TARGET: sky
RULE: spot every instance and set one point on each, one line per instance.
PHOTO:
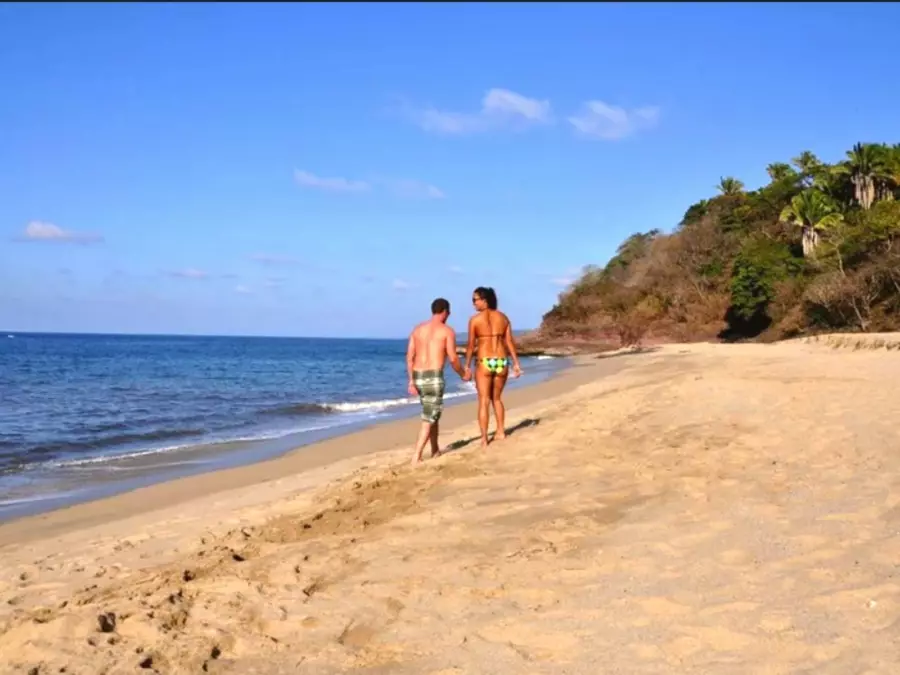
(329, 169)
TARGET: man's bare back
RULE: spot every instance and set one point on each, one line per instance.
(433, 343)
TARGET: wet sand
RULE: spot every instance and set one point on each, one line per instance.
(697, 508)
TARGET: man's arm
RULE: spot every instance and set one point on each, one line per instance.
(451, 353)
(470, 344)
(511, 346)
(411, 356)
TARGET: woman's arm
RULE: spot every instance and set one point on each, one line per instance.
(470, 346)
(511, 347)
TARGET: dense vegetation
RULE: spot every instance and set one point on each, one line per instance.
(818, 248)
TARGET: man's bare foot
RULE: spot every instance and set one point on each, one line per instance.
(484, 442)
(436, 453)
(499, 437)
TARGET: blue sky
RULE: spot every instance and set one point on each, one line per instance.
(301, 169)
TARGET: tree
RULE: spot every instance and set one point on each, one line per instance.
(867, 168)
(813, 212)
(810, 167)
(730, 186)
(779, 171)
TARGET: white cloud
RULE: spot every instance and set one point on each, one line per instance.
(455, 269)
(310, 180)
(599, 120)
(401, 285)
(413, 189)
(189, 273)
(400, 187)
(242, 289)
(562, 281)
(274, 259)
(37, 230)
(273, 282)
(500, 108)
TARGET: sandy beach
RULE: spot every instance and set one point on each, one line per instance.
(689, 509)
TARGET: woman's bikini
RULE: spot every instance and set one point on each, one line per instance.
(495, 365)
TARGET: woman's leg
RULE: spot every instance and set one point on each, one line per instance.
(483, 381)
(497, 401)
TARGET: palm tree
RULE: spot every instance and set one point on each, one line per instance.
(780, 171)
(813, 211)
(809, 165)
(730, 186)
(867, 168)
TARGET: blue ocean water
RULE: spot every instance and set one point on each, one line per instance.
(82, 410)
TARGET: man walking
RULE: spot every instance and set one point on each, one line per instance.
(431, 343)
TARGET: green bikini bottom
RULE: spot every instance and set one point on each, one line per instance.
(495, 364)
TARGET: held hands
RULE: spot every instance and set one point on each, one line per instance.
(467, 374)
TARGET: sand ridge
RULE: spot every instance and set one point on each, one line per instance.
(708, 509)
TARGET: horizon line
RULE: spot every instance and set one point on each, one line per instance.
(205, 335)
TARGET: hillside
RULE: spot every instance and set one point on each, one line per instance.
(816, 249)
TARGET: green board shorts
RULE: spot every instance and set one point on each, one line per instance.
(430, 385)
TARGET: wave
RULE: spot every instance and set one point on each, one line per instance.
(59, 447)
(295, 409)
(357, 406)
(206, 443)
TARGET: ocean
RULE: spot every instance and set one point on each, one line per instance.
(85, 416)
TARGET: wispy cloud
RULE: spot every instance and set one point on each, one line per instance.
(275, 259)
(401, 285)
(500, 109)
(273, 282)
(404, 188)
(243, 290)
(455, 269)
(562, 281)
(413, 189)
(189, 273)
(601, 121)
(333, 184)
(38, 230)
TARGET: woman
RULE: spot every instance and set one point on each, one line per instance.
(491, 329)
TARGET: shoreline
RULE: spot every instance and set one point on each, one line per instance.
(378, 437)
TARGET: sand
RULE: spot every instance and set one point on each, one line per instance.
(692, 509)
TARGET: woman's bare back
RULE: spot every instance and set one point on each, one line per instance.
(490, 328)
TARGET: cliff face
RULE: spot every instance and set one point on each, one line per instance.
(818, 248)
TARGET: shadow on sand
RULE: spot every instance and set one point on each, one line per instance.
(524, 424)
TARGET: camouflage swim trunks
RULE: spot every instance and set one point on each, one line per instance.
(430, 385)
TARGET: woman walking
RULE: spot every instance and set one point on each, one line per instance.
(491, 330)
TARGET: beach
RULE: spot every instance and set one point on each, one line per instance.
(689, 508)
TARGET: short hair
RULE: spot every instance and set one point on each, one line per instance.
(439, 306)
(487, 294)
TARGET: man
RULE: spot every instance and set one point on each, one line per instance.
(430, 344)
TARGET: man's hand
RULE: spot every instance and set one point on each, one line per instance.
(467, 375)
(411, 388)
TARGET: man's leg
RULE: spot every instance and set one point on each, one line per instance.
(435, 448)
(422, 441)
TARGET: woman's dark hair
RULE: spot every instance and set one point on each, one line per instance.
(488, 295)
